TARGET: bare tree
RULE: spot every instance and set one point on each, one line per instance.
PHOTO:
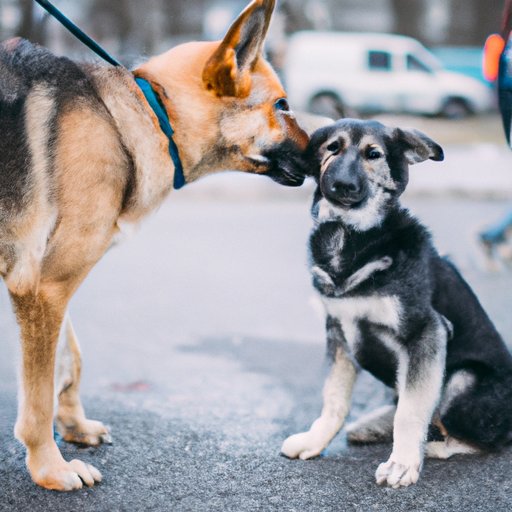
(408, 16)
(473, 20)
(30, 26)
(110, 19)
(294, 15)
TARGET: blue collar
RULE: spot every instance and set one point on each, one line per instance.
(165, 125)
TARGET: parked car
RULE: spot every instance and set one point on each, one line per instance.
(330, 73)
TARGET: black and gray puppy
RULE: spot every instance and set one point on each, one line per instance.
(400, 310)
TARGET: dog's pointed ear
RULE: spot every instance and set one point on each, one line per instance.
(227, 72)
(417, 147)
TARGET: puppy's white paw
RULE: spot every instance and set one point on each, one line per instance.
(397, 475)
(305, 445)
(322, 281)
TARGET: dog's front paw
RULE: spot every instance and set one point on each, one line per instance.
(322, 282)
(305, 445)
(49, 470)
(67, 476)
(396, 474)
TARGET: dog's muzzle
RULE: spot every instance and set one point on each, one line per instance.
(286, 164)
(344, 187)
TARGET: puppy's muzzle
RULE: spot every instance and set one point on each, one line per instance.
(344, 184)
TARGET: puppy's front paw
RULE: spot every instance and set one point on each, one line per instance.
(396, 474)
(322, 282)
(304, 446)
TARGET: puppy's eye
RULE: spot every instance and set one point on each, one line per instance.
(282, 104)
(373, 154)
(334, 147)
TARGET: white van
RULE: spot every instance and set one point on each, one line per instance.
(330, 73)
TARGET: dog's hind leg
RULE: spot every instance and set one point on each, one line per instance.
(374, 427)
(475, 408)
(337, 394)
(72, 424)
(450, 446)
(40, 317)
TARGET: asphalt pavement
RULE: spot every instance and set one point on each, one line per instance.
(203, 350)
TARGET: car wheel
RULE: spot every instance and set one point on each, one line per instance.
(327, 105)
(456, 108)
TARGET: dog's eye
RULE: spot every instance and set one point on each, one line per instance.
(282, 104)
(373, 154)
(334, 146)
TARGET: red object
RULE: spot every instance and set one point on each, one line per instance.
(493, 49)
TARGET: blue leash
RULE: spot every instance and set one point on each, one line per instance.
(149, 93)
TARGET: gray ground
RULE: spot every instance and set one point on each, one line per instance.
(203, 350)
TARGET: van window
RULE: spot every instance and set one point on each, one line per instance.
(414, 64)
(379, 60)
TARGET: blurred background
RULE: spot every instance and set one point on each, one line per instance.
(131, 27)
(336, 57)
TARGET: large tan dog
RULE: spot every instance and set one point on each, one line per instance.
(81, 153)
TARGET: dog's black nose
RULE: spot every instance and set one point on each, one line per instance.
(346, 190)
(344, 182)
(349, 185)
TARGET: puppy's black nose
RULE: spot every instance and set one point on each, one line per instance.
(345, 187)
(348, 186)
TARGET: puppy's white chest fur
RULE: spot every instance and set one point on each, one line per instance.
(379, 310)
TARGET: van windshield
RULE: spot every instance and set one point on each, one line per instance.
(428, 59)
(415, 64)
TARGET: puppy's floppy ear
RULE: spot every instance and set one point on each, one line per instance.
(417, 147)
(227, 72)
